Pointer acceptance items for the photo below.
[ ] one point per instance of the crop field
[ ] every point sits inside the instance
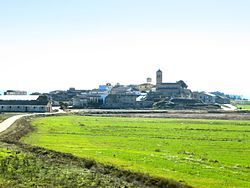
(201, 153)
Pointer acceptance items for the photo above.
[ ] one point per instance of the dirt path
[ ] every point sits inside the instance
(228, 114)
(8, 122)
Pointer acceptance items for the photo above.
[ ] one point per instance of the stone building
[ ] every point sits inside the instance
(174, 90)
(205, 97)
(126, 100)
(159, 77)
(117, 89)
(222, 100)
(209, 98)
(146, 87)
(89, 100)
(25, 103)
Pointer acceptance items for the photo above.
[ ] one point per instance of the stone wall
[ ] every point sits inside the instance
(25, 108)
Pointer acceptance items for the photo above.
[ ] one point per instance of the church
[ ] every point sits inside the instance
(171, 90)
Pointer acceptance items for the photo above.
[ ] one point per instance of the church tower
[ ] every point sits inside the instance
(158, 77)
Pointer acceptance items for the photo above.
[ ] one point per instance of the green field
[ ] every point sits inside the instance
(244, 107)
(25, 169)
(202, 153)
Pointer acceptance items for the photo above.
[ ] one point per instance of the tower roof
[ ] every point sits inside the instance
(159, 70)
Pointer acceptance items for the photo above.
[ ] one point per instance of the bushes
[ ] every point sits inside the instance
(18, 169)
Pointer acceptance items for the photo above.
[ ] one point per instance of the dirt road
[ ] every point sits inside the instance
(8, 122)
(193, 114)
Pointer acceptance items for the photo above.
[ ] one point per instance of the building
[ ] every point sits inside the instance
(15, 92)
(25, 103)
(146, 87)
(106, 87)
(205, 97)
(171, 90)
(209, 98)
(89, 100)
(222, 99)
(122, 100)
(117, 89)
(159, 77)
(80, 101)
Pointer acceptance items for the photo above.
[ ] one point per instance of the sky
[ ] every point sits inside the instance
(49, 45)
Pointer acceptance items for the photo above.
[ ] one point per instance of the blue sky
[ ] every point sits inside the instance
(56, 44)
(123, 15)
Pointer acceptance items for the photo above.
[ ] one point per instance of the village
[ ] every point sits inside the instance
(143, 96)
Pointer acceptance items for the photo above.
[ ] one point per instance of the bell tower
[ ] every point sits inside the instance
(158, 77)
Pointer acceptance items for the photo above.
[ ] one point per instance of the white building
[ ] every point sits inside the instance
(25, 103)
(205, 97)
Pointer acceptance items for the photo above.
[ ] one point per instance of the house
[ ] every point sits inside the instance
(88, 100)
(222, 99)
(25, 103)
(142, 102)
(118, 89)
(80, 101)
(146, 87)
(209, 98)
(205, 97)
(94, 98)
(121, 100)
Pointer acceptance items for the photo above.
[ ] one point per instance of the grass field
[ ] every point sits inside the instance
(24, 169)
(244, 107)
(202, 153)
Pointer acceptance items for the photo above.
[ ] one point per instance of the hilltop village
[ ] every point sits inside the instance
(147, 95)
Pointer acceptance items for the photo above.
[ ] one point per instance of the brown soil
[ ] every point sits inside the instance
(194, 114)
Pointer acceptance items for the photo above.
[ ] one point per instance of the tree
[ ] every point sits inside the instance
(63, 105)
(183, 84)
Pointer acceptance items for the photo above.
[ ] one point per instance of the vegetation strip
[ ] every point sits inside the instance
(25, 169)
(133, 179)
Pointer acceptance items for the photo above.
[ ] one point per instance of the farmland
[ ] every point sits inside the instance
(244, 107)
(201, 153)
(23, 165)
(24, 169)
